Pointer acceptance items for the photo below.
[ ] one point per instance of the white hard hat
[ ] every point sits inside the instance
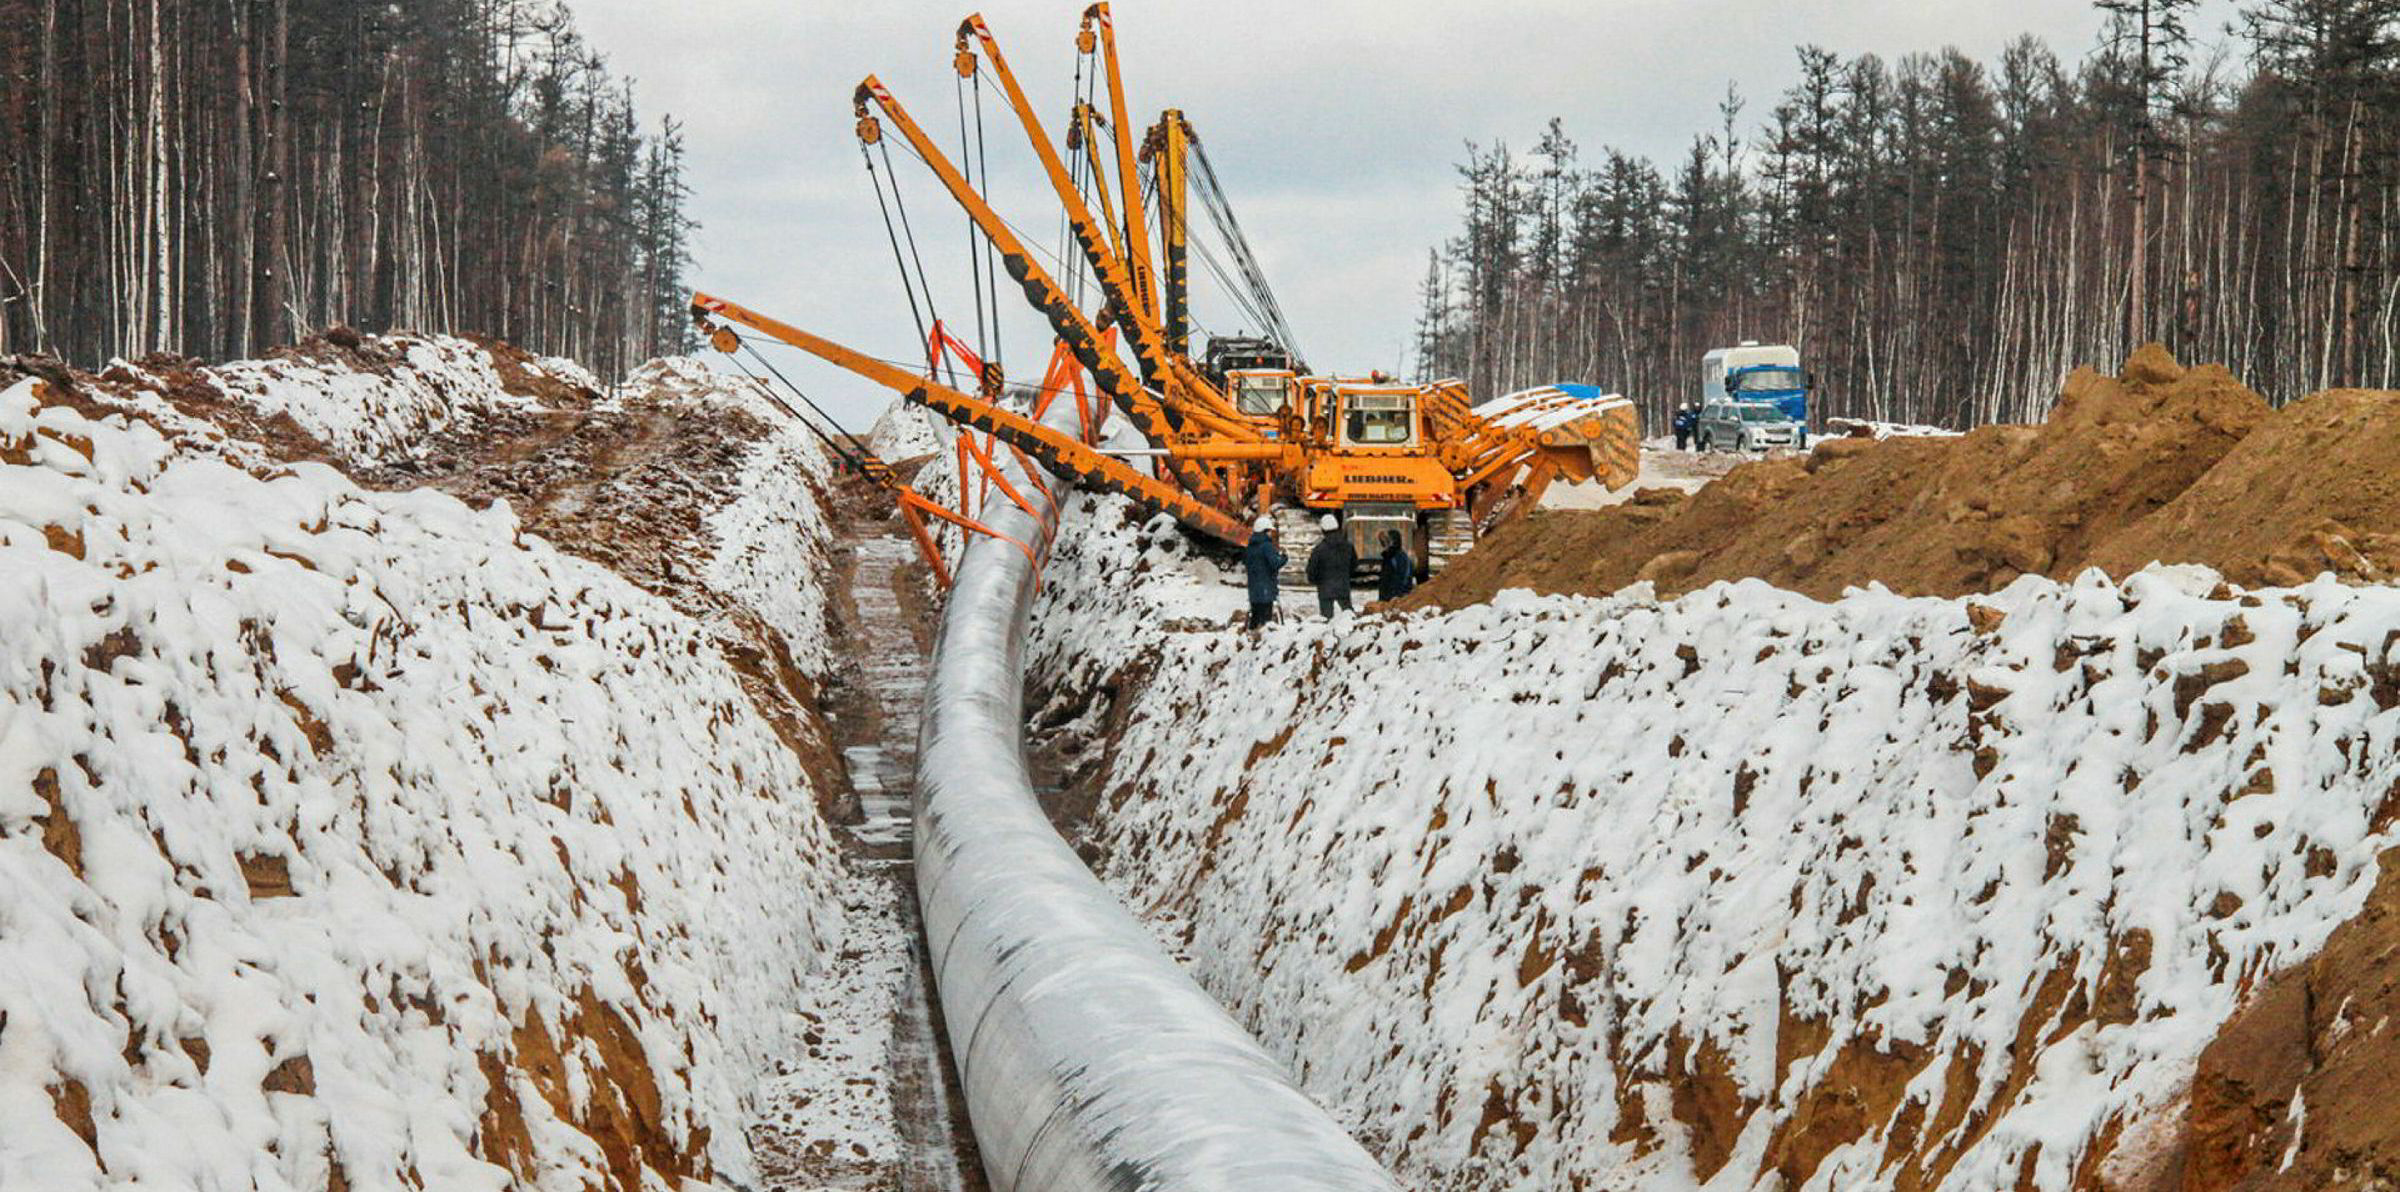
(1263, 524)
(1327, 524)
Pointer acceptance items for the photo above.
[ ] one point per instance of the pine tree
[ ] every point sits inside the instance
(1433, 321)
(2151, 44)
(220, 178)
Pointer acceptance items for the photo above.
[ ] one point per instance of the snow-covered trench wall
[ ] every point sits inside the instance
(1743, 889)
(360, 839)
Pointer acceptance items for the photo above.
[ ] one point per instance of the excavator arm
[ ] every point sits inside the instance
(1061, 451)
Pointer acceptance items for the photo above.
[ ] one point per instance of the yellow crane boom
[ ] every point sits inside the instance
(1077, 332)
(1186, 392)
(1061, 451)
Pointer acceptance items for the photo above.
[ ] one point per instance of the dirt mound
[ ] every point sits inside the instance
(1940, 516)
(2311, 491)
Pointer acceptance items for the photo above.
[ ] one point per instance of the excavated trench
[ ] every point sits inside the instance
(1090, 1059)
(873, 715)
(1496, 956)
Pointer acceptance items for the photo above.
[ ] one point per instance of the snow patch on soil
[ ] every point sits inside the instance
(422, 384)
(1868, 428)
(1742, 889)
(907, 431)
(359, 836)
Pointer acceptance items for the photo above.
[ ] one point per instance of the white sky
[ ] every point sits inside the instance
(1333, 125)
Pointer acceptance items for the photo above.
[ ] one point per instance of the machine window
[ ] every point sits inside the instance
(1378, 420)
(1770, 379)
(1259, 395)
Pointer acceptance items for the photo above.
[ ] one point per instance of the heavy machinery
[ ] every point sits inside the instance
(1240, 429)
(1753, 372)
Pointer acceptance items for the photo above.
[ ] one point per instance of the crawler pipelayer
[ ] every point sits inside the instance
(1241, 430)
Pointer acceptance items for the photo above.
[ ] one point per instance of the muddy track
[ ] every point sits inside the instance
(926, 1141)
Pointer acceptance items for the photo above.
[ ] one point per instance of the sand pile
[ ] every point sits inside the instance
(2160, 462)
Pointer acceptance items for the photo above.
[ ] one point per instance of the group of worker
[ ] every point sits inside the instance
(1687, 426)
(1330, 565)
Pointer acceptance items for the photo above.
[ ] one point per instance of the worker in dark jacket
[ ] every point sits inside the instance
(1263, 561)
(1687, 424)
(1399, 571)
(1329, 567)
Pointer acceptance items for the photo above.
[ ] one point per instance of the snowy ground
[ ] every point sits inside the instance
(904, 432)
(1884, 430)
(360, 838)
(1743, 889)
(867, 1104)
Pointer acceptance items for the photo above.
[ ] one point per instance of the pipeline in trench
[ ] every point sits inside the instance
(1089, 1059)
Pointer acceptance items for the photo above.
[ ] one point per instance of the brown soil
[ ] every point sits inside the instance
(2091, 486)
(629, 489)
(2293, 1092)
(2311, 490)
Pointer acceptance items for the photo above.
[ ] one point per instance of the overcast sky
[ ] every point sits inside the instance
(1334, 126)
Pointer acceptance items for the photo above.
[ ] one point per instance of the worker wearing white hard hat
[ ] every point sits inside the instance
(1263, 561)
(1330, 566)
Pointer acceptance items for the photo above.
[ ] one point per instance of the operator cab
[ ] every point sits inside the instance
(1260, 393)
(1229, 354)
(1377, 417)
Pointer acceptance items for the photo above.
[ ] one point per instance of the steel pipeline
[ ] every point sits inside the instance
(1092, 1062)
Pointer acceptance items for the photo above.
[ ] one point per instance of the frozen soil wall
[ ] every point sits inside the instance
(1746, 889)
(355, 834)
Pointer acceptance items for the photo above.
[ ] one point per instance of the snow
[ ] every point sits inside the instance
(574, 373)
(367, 413)
(834, 1096)
(1835, 427)
(908, 431)
(772, 539)
(295, 771)
(1514, 863)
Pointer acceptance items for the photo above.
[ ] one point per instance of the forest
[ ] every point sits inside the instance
(1944, 238)
(220, 178)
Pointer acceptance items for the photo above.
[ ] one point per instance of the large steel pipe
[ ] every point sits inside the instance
(1090, 1059)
